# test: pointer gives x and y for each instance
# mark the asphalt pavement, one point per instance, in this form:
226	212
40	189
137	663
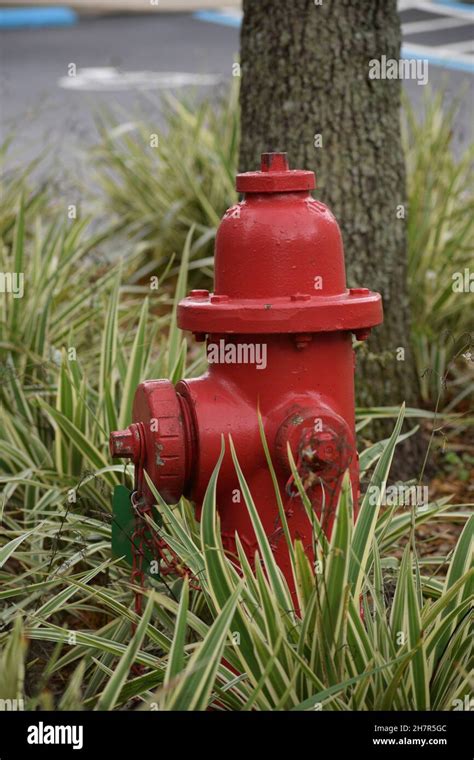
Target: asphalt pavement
128	61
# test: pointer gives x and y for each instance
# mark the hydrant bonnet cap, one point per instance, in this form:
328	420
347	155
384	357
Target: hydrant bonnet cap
275	177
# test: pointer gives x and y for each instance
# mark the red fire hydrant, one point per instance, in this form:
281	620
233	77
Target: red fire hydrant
279	339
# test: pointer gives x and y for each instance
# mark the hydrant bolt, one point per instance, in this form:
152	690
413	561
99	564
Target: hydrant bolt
301	341
362	334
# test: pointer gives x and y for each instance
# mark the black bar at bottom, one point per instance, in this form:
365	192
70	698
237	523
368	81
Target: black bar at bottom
119	734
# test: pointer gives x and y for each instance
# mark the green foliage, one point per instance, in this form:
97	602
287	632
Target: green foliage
461	466
440	237
239	641
315	651
243	641
71	358
71	352
162	182
15	182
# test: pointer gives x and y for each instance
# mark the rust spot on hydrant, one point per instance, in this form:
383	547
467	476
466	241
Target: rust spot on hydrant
158	450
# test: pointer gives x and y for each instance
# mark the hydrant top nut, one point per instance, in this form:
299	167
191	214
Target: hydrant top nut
275	177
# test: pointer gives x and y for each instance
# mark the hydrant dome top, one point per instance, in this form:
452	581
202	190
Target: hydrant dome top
275	176
279	264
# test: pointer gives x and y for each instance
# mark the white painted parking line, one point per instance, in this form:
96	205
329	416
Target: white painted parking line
465	12
448	55
439	56
110	79
432	25
465	46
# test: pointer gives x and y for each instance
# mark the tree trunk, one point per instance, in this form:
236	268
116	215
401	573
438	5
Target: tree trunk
305	72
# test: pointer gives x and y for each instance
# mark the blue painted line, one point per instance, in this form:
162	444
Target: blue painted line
444	63
18	18
219	17
468	8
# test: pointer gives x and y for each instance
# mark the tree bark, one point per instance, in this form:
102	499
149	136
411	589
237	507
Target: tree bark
305	72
